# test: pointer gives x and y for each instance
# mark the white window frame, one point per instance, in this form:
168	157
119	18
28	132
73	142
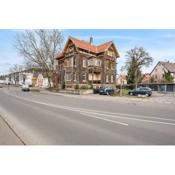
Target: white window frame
68	76
107	78
84	75
112	78
84	62
98	63
75	76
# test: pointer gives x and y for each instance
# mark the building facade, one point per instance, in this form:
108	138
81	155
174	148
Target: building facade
158	73
146	78
121	80
84	64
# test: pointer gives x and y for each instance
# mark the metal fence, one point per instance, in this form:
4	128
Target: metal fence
161	87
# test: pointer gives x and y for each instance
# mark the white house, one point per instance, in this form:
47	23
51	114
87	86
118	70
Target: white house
158	73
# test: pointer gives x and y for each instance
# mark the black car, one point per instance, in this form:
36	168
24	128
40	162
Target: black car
106	91
141	91
97	90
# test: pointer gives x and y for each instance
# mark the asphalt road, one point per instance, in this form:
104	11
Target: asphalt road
75	120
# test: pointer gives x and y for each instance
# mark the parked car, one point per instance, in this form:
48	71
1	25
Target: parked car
106	91
97	90
141	91
25	87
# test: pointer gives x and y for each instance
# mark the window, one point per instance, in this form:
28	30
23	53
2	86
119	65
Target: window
84	62
91	62
84	77
112	65
110	53
75	62
112	78
98	63
94	62
107	79
75	76
68	62
107	64
68	76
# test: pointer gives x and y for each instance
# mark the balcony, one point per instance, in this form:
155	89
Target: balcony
94	63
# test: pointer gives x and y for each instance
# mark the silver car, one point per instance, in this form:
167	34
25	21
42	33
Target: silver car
25	87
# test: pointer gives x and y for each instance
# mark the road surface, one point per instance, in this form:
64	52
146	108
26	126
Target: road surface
42	119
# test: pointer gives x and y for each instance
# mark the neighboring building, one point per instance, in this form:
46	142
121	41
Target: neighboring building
121	80
42	81
158	73
82	63
146	78
27	76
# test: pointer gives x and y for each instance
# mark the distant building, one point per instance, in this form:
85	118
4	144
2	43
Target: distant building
158	73
122	79
82	63
42	81
146	78
26	76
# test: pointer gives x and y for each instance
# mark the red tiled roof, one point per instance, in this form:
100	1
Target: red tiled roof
84	45
104	46
88	47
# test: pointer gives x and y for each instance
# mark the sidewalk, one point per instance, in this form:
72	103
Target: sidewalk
155	98
7	135
97	96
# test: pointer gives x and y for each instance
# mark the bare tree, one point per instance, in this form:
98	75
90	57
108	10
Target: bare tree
136	58
39	48
16	68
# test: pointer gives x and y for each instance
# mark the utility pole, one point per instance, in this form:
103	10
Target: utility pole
121	87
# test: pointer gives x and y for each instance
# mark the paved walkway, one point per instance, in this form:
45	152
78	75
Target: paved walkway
7	135
165	99
155	98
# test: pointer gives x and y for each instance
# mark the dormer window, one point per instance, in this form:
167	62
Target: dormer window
110	53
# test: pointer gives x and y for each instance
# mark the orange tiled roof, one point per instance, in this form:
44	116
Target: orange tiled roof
103	47
84	45
92	48
87	46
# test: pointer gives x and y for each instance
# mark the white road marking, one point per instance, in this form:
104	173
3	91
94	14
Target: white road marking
142	120
112	121
107	114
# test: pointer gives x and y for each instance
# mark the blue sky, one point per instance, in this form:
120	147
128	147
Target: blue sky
159	43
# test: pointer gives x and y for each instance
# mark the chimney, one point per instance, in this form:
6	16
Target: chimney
90	40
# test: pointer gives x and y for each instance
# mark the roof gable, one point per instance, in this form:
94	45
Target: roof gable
169	66
88	47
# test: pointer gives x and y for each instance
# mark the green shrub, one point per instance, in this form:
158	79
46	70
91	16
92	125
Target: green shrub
63	86
84	87
91	86
76	86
